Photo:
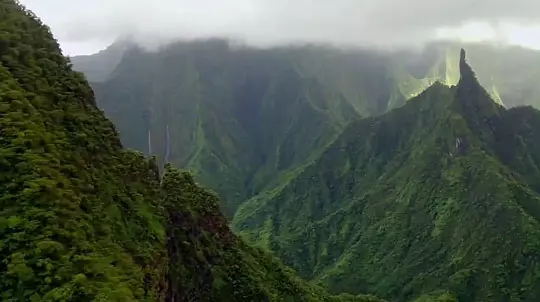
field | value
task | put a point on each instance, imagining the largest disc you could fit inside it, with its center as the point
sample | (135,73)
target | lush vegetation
(77,216)
(82,219)
(438,199)
(239,119)
(246,120)
(209,263)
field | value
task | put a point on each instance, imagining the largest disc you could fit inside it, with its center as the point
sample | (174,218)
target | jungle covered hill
(245,119)
(440,194)
(83,219)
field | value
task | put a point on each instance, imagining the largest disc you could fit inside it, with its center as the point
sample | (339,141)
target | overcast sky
(84,27)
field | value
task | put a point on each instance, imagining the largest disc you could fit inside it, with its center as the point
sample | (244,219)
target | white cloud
(83,26)
(526,35)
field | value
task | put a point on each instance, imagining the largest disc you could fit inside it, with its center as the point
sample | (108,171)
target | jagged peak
(466,73)
(468,86)
(474,102)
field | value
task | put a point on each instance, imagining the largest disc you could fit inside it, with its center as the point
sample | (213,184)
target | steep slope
(438,198)
(508,73)
(209,263)
(248,115)
(99,66)
(254,117)
(78,218)
(82,219)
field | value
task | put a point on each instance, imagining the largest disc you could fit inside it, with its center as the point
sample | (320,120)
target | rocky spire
(467,75)
(474,102)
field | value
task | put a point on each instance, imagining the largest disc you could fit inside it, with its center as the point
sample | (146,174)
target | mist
(85,27)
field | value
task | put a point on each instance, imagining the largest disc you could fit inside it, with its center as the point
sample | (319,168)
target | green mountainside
(246,120)
(209,263)
(440,197)
(82,219)
(97,67)
(240,119)
(507,72)
(433,196)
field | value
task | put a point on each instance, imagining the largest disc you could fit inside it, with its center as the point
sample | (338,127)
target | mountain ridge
(435,199)
(238,107)
(413,197)
(211,107)
(83,219)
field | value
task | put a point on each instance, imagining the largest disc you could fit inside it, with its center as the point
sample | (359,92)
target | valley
(207,170)
(395,174)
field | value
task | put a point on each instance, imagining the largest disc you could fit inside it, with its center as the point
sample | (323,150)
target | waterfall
(168,152)
(149,142)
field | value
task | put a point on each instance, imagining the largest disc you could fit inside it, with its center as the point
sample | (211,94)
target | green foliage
(436,200)
(243,120)
(239,118)
(436,297)
(209,263)
(73,203)
(82,219)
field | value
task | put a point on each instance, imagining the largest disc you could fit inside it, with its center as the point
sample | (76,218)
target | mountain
(239,118)
(209,263)
(244,120)
(439,197)
(82,219)
(507,72)
(98,67)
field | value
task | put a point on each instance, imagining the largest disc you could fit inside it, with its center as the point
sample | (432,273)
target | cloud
(268,22)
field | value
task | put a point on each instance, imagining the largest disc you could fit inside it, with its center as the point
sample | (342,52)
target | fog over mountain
(86,27)
(313,173)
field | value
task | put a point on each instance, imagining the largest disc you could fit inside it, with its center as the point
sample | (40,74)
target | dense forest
(368,178)
(440,195)
(245,119)
(434,198)
(83,219)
